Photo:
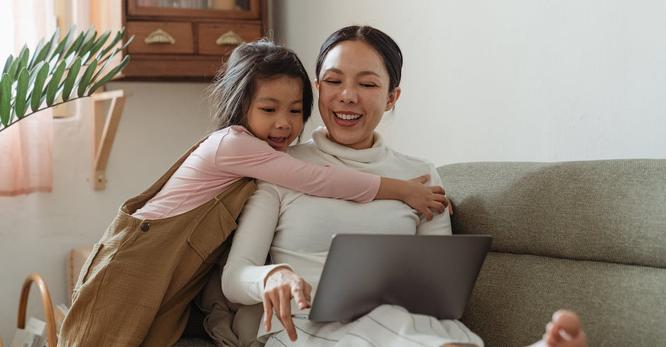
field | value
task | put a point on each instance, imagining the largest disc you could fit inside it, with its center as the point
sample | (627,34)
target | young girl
(154,258)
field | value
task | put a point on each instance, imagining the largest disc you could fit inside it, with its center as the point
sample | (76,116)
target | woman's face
(353,93)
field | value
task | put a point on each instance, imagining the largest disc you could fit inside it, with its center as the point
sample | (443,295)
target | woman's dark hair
(377,39)
(236,82)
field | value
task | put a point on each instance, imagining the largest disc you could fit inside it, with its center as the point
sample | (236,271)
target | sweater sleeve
(244,155)
(440,224)
(244,273)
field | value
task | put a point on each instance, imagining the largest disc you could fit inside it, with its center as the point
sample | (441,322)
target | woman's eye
(296,111)
(332,81)
(368,85)
(267,109)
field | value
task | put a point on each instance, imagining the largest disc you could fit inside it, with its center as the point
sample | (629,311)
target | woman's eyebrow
(362,73)
(368,72)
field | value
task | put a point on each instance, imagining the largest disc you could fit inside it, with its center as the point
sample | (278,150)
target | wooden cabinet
(181,39)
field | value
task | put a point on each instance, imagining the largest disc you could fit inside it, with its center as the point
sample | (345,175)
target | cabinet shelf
(175,42)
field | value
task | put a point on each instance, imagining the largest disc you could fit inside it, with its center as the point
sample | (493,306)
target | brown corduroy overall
(138,282)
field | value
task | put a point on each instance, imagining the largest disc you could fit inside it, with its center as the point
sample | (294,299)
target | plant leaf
(107,62)
(40,54)
(88,42)
(38,48)
(71,78)
(21,93)
(87,77)
(54,83)
(120,48)
(63,43)
(33,72)
(8,63)
(53,42)
(116,39)
(99,43)
(23,58)
(73,47)
(20,61)
(5,98)
(109,75)
(38,89)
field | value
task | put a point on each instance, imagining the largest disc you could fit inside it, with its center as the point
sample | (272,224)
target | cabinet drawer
(222,38)
(161,37)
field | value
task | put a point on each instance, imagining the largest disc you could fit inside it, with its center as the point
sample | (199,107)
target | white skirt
(386,325)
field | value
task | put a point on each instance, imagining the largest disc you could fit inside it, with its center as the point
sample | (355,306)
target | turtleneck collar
(369,155)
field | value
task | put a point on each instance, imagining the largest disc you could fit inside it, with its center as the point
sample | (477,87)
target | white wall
(518,80)
(160,121)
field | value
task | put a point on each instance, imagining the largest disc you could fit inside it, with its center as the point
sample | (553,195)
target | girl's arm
(244,155)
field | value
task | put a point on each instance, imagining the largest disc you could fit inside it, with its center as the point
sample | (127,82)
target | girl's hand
(425,199)
(281,285)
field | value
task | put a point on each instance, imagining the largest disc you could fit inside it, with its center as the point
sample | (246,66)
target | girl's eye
(296,111)
(368,85)
(267,109)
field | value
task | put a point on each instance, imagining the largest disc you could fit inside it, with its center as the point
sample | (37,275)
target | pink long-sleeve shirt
(231,153)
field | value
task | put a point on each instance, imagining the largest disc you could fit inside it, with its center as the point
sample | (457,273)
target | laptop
(430,275)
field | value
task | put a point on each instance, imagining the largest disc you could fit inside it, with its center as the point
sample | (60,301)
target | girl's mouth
(346,119)
(278,142)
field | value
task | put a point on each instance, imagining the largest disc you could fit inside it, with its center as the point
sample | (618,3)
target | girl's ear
(393,98)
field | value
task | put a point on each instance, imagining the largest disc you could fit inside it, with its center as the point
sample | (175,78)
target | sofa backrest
(588,236)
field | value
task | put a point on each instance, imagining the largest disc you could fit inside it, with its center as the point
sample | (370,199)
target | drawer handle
(159,36)
(229,38)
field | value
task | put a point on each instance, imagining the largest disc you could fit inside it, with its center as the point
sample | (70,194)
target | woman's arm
(244,155)
(244,273)
(245,278)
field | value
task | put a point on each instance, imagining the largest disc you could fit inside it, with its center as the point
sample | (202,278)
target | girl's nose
(282,122)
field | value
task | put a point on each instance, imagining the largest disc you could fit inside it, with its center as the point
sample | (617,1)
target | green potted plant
(58,71)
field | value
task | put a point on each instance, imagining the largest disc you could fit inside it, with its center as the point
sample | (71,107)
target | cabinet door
(161,37)
(222,38)
(240,9)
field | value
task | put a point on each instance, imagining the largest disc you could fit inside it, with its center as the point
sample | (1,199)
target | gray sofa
(588,236)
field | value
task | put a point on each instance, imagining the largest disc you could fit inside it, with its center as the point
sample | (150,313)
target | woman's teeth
(347,116)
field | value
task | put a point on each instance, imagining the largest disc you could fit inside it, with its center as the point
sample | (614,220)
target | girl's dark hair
(236,82)
(382,43)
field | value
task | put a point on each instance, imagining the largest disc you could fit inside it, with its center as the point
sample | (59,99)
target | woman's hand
(425,199)
(281,285)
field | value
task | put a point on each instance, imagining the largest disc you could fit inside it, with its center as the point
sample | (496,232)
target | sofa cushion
(608,210)
(515,296)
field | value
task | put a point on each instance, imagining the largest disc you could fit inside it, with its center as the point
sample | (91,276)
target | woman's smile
(347,119)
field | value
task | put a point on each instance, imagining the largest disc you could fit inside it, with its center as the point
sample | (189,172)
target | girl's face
(276,111)
(353,93)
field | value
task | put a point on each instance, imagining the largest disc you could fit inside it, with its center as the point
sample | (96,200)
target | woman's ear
(393,98)
(315,84)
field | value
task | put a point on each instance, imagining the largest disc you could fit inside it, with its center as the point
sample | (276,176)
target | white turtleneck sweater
(296,229)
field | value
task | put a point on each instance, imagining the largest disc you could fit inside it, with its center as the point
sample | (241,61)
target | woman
(358,75)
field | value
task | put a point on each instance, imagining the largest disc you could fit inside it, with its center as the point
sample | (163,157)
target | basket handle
(46,302)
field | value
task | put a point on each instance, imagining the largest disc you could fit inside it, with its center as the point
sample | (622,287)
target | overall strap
(138,201)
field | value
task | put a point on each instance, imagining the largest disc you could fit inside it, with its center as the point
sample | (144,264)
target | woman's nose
(348,95)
